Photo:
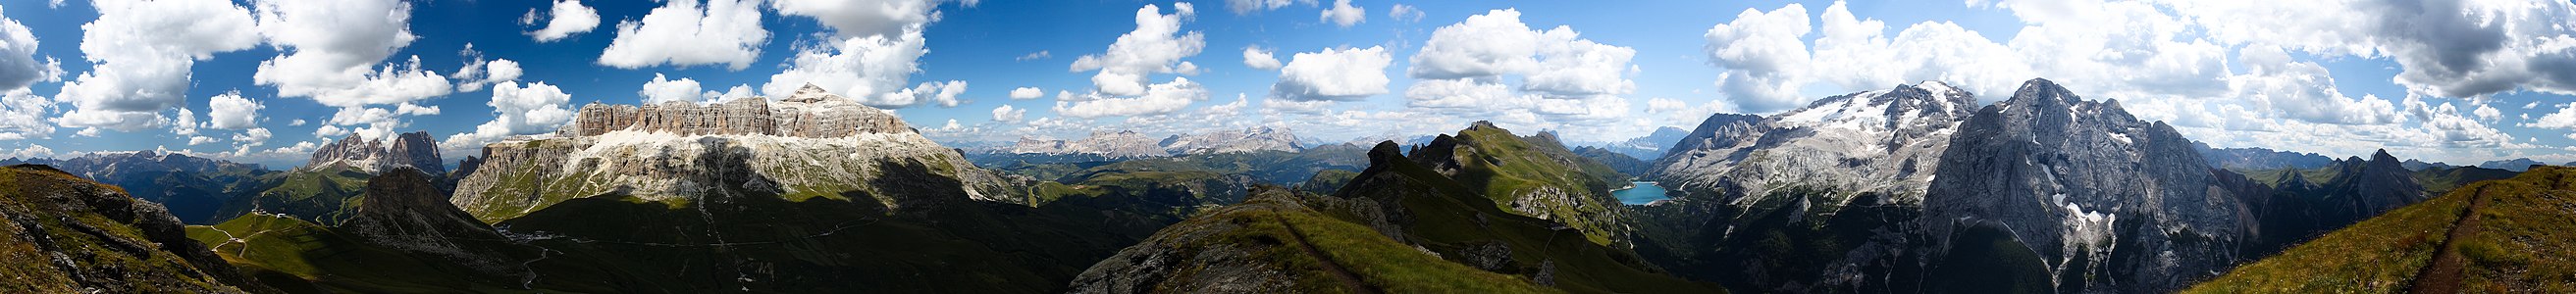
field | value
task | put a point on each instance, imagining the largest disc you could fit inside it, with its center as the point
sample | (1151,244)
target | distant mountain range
(192,188)
(2517,164)
(2255,158)
(1130,144)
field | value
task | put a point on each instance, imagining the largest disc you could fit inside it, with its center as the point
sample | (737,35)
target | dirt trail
(1348,279)
(2444,275)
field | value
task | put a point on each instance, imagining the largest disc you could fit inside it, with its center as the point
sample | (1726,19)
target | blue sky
(2339,85)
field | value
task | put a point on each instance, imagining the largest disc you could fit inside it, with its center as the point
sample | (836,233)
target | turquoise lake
(1640,193)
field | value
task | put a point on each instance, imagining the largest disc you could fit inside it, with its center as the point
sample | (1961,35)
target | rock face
(2106,202)
(809,113)
(415,149)
(68,235)
(813,144)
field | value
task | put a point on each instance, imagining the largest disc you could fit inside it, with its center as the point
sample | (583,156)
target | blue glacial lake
(1641,193)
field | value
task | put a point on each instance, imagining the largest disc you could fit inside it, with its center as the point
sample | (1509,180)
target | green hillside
(65,234)
(1459,220)
(324,196)
(2495,236)
(1533,176)
(1274,242)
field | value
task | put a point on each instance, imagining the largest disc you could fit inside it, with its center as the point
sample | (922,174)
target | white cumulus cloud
(661,90)
(1257,58)
(1158,99)
(567,18)
(688,32)
(1156,46)
(1343,14)
(874,48)
(1334,74)
(534,108)
(142,53)
(1008,114)
(333,59)
(1565,80)
(1025,93)
(231,111)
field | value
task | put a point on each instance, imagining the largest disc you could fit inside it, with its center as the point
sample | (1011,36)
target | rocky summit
(415,149)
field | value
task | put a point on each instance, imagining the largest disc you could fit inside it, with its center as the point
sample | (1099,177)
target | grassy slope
(1378,261)
(2528,219)
(1450,216)
(303,257)
(325,196)
(98,248)
(1508,166)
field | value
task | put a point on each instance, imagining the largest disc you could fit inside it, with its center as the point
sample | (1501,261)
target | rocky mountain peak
(404,210)
(2040,91)
(415,149)
(2095,192)
(811,93)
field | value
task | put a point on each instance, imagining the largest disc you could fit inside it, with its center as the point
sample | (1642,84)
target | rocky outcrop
(404,211)
(2106,202)
(815,145)
(809,113)
(415,150)
(68,235)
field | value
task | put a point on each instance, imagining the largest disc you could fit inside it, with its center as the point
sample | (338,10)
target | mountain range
(1910,189)
(1130,144)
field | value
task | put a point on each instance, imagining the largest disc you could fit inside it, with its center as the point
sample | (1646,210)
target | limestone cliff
(812,144)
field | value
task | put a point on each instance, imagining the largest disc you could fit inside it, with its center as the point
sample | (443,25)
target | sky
(267,81)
